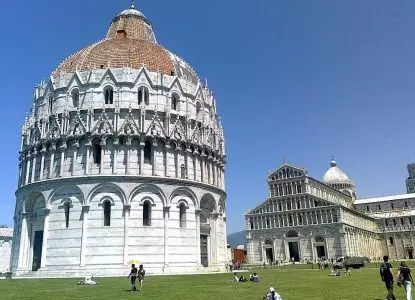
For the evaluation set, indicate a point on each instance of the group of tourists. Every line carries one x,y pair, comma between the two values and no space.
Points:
254,277
136,274
404,278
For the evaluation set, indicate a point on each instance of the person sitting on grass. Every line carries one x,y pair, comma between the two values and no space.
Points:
347,270
254,277
272,295
235,278
88,281
242,279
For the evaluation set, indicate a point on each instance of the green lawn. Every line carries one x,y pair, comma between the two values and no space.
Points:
291,283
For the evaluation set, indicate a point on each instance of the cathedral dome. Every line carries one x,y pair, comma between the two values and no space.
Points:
336,178
335,175
130,42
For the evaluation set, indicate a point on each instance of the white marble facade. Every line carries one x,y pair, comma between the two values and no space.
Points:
6,235
306,219
121,163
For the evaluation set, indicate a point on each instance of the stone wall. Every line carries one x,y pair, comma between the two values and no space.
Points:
6,235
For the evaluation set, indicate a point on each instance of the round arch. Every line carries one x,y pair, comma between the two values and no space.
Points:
112,187
152,188
184,191
73,190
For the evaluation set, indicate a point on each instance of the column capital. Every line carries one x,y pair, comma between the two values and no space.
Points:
23,214
127,207
166,208
85,208
46,210
215,215
198,211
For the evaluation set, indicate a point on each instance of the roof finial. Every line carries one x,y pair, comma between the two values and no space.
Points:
133,4
333,162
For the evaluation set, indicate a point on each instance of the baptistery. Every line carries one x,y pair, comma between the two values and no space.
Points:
122,158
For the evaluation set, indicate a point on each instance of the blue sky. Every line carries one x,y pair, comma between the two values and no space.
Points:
303,80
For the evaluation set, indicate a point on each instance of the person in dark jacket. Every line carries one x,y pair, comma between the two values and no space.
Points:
133,277
387,277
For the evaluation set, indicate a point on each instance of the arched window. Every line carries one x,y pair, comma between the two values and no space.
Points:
182,172
109,96
174,101
67,207
50,102
143,95
390,240
75,98
182,215
147,152
251,222
147,213
107,212
198,108
96,152
319,239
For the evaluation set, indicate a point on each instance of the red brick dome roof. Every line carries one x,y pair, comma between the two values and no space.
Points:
130,42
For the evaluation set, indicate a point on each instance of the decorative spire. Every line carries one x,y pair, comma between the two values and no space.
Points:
133,4
333,162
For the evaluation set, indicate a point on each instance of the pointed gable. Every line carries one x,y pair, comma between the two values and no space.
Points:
286,171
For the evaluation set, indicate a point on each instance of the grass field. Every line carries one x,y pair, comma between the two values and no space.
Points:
291,283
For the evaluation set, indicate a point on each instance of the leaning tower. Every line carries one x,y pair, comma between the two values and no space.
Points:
122,157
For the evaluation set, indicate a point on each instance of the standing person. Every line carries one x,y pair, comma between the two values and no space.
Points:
405,276
387,277
141,273
133,277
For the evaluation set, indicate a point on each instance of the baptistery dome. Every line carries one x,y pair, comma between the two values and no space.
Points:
130,42
122,157
337,178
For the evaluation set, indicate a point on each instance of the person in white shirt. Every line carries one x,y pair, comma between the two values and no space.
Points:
89,281
273,295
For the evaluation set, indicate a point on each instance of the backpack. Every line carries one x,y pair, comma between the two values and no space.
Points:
384,271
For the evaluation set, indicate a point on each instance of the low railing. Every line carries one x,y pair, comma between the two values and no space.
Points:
398,228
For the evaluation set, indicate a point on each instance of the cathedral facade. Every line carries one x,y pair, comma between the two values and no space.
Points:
122,158
305,219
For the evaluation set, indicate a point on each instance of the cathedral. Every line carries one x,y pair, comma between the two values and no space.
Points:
122,158
305,219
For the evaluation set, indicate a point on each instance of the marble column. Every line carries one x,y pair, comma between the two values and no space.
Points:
128,149
102,161
45,237
114,157
52,161
153,159
24,244
33,166
167,148
62,166
28,160
88,149
166,212
197,214
85,216
313,255
75,154
126,208
142,145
